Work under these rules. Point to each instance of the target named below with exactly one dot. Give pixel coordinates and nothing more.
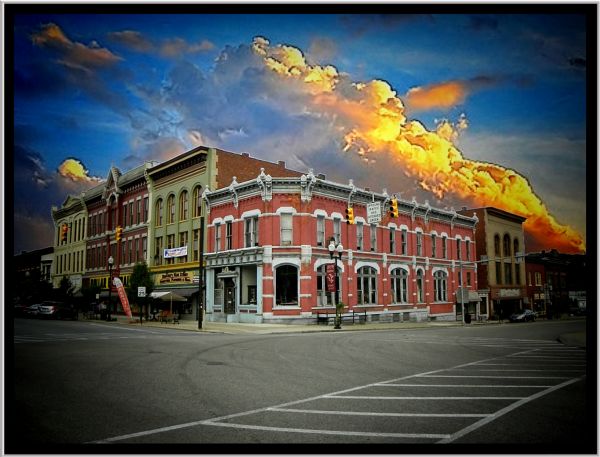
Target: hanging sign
(330, 277)
(373, 212)
(175, 252)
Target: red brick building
(267, 251)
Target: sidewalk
(241, 328)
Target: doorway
(229, 288)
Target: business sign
(330, 277)
(175, 252)
(373, 212)
(178, 276)
(123, 297)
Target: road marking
(517, 369)
(367, 397)
(493, 377)
(362, 413)
(506, 410)
(456, 385)
(330, 432)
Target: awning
(467, 295)
(474, 296)
(184, 291)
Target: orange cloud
(372, 121)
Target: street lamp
(336, 249)
(111, 261)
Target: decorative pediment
(112, 184)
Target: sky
(451, 109)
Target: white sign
(141, 291)
(175, 252)
(373, 212)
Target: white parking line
(458, 385)
(367, 397)
(492, 377)
(358, 413)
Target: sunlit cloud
(74, 170)
(169, 48)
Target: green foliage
(65, 289)
(140, 277)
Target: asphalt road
(92, 386)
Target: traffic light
(65, 230)
(119, 233)
(393, 207)
(349, 215)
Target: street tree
(140, 277)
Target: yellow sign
(174, 277)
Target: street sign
(330, 277)
(141, 291)
(373, 212)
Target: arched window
(399, 285)
(367, 286)
(159, 212)
(286, 285)
(197, 201)
(171, 209)
(439, 286)
(325, 298)
(515, 246)
(183, 206)
(497, 245)
(420, 286)
(506, 246)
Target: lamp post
(336, 249)
(201, 275)
(111, 261)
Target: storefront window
(286, 285)
(367, 286)
(399, 285)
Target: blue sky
(121, 89)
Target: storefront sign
(510, 293)
(175, 252)
(175, 277)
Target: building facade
(69, 241)
(500, 242)
(267, 253)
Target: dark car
(57, 310)
(526, 315)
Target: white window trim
(434, 270)
(286, 210)
(395, 266)
(250, 214)
(320, 262)
(361, 264)
(320, 212)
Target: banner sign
(123, 297)
(175, 252)
(330, 277)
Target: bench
(166, 317)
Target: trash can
(467, 318)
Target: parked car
(57, 310)
(32, 311)
(526, 315)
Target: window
(399, 285)
(497, 245)
(529, 278)
(170, 245)
(468, 279)
(251, 232)
(420, 286)
(123, 252)
(373, 237)
(183, 241)
(196, 235)
(144, 248)
(458, 249)
(498, 273)
(538, 278)
(146, 209)
(217, 237)
(286, 285)
(320, 230)
(130, 243)
(515, 246)
(508, 273)
(171, 209)
(325, 298)
(517, 274)
(367, 286)
(228, 235)
(130, 213)
(159, 212)
(183, 206)
(404, 241)
(433, 245)
(468, 247)
(392, 240)
(506, 246)
(359, 236)
(125, 214)
(197, 201)
(138, 205)
(337, 230)
(419, 244)
(439, 286)
(286, 229)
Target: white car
(32, 311)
